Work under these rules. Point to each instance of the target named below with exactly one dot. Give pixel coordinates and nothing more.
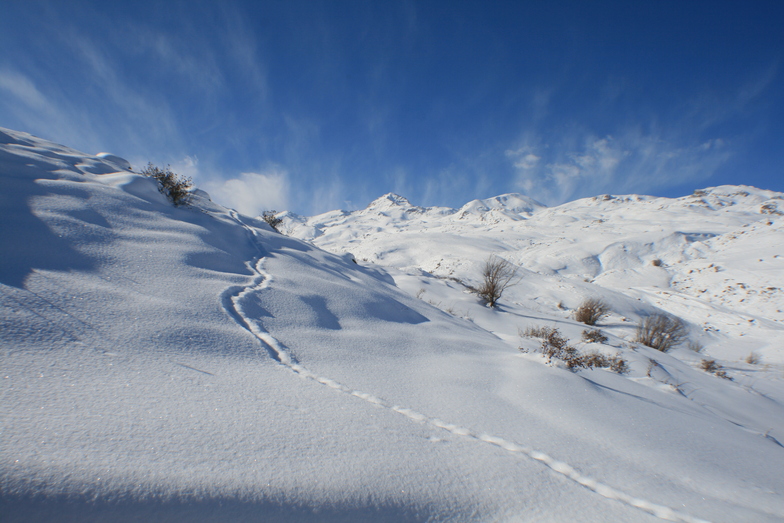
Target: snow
(189, 363)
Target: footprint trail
(234, 301)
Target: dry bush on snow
(696, 346)
(593, 336)
(709, 365)
(497, 275)
(554, 345)
(752, 358)
(272, 220)
(591, 311)
(176, 187)
(536, 332)
(661, 332)
(714, 368)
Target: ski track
(233, 298)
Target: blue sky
(312, 106)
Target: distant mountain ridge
(619, 243)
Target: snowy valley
(189, 363)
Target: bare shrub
(656, 262)
(497, 275)
(661, 332)
(272, 220)
(696, 346)
(618, 365)
(175, 187)
(593, 336)
(709, 365)
(555, 345)
(714, 368)
(591, 311)
(537, 332)
(752, 358)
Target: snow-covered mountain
(190, 363)
(714, 258)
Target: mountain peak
(388, 200)
(511, 203)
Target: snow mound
(121, 163)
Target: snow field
(191, 364)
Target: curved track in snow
(233, 300)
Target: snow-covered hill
(191, 364)
(715, 258)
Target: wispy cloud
(684, 143)
(33, 107)
(252, 193)
(242, 48)
(21, 87)
(632, 161)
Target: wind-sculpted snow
(249, 317)
(165, 363)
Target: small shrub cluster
(175, 187)
(536, 332)
(714, 368)
(593, 336)
(661, 332)
(696, 346)
(752, 358)
(272, 220)
(497, 275)
(591, 311)
(656, 262)
(555, 345)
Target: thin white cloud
(629, 162)
(242, 48)
(252, 193)
(35, 107)
(24, 89)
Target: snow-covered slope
(715, 258)
(191, 364)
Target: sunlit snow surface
(191, 364)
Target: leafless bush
(537, 332)
(175, 187)
(497, 275)
(656, 262)
(554, 345)
(752, 358)
(591, 311)
(618, 365)
(696, 346)
(593, 336)
(661, 332)
(714, 368)
(272, 220)
(709, 365)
